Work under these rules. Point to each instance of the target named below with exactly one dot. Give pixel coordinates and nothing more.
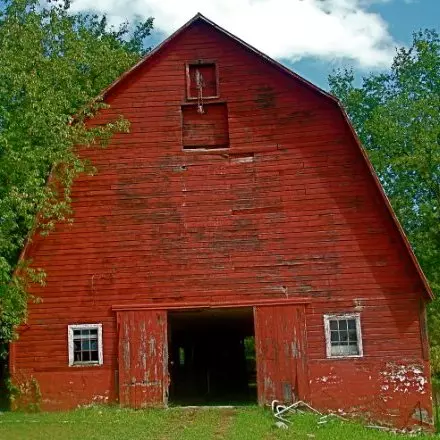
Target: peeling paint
(141, 382)
(100, 399)
(152, 343)
(421, 415)
(328, 379)
(400, 378)
(295, 350)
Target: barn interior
(4, 395)
(212, 357)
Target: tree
(397, 117)
(52, 66)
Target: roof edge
(150, 54)
(200, 17)
(388, 205)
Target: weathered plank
(142, 358)
(281, 348)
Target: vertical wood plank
(143, 359)
(280, 340)
(124, 358)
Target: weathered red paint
(281, 338)
(288, 218)
(208, 129)
(142, 358)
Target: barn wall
(392, 390)
(289, 210)
(391, 382)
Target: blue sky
(403, 19)
(312, 37)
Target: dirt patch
(226, 420)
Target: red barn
(236, 245)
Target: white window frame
(70, 329)
(357, 318)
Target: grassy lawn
(248, 423)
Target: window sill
(222, 149)
(86, 364)
(353, 356)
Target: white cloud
(284, 29)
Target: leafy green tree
(397, 116)
(52, 65)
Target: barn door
(280, 342)
(143, 359)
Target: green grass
(111, 423)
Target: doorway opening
(4, 392)
(212, 357)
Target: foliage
(26, 395)
(397, 116)
(52, 66)
(246, 423)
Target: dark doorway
(4, 393)
(212, 357)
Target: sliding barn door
(280, 342)
(143, 359)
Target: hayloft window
(85, 344)
(206, 127)
(343, 335)
(202, 80)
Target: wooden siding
(281, 348)
(289, 211)
(205, 126)
(143, 370)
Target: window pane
(334, 336)
(352, 335)
(344, 350)
(343, 335)
(343, 324)
(352, 350)
(85, 345)
(333, 325)
(337, 350)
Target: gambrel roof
(199, 18)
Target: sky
(311, 37)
